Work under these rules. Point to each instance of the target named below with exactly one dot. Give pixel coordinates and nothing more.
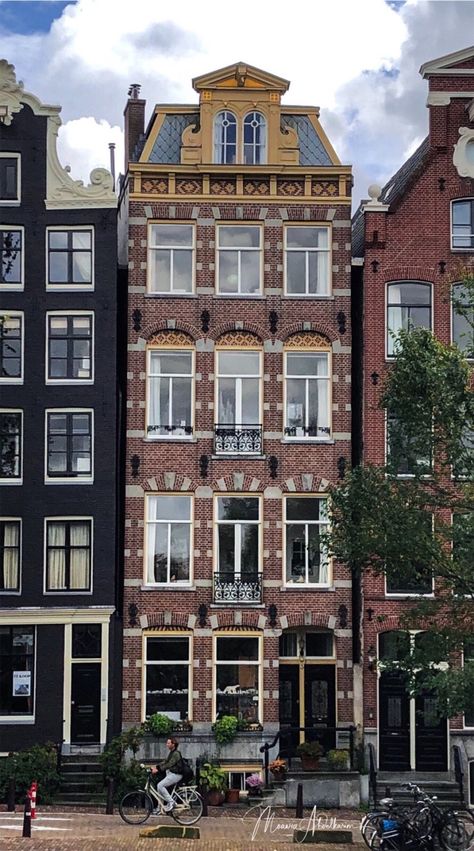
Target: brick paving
(92, 832)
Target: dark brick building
(235, 226)
(58, 476)
(412, 237)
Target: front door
(289, 708)
(320, 705)
(431, 735)
(85, 703)
(394, 705)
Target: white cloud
(84, 145)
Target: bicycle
(136, 807)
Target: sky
(356, 59)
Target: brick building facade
(234, 223)
(412, 237)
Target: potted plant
(278, 768)
(215, 780)
(309, 753)
(159, 724)
(254, 784)
(225, 729)
(338, 760)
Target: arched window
(255, 138)
(408, 307)
(225, 138)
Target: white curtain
(80, 556)
(56, 556)
(10, 556)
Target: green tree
(421, 526)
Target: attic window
(235, 142)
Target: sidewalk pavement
(92, 832)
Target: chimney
(112, 160)
(134, 114)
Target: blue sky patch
(29, 17)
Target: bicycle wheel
(188, 806)
(456, 832)
(370, 829)
(136, 807)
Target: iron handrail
(372, 774)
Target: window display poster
(21, 683)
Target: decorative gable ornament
(11, 92)
(463, 156)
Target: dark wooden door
(289, 708)
(431, 735)
(320, 704)
(85, 703)
(394, 710)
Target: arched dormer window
(255, 138)
(225, 138)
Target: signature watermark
(268, 823)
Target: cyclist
(170, 766)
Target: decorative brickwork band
(238, 339)
(307, 340)
(171, 338)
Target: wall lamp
(371, 658)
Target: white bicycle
(136, 807)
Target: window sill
(21, 719)
(303, 586)
(251, 296)
(242, 603)
(65, 288)
(72, 480)
(70, 381)
(319, 440)
(14, 288)
(11, 481)
(10, 203)
(226, 456)
(16, 381)
(7, 592)
(170, 295)
(175, 586)
(404, 595)
(176, 439)
(322, 296)
(68, 592)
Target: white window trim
(328, 378)
(388, 357)
(70, 381)
(327, 250)
(298, 586)
(263, 148)
(238, 379)
(68, 480)
(238, 531)
(25, 719)
(19, 520)
(14, 202)
(180, 584)
(13, 314)
(238, 293)
(239, 137)
(7, 480)
(21, 286)
(469, 249)
(66, 591)
(237, 634)
(167, 634)
(66, 288)
(451, 327)
(192, 375)
(192, 248)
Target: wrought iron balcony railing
(238, 439)
(229, 588)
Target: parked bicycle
(136, 807)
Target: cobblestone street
(240, 831)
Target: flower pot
(309, 763)
(232, 796)
(215, 798)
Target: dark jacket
(171, 763)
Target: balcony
(237, 439)
(229, 588)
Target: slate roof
(392, 192)
(312, 150)
(167, 147)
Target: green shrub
(36, 763)
(338, 759)
(225, 729)
(312, 750)
(159, 724)
(213, 777)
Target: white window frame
(18, 287)
(167, 634)
(223, 145)
(304, 523)
(67, 592)
(238, 250)
(238, 532)
(388, 356)
(192, 248)
(468, 357)
(468, 249)
(13, 202)
(238, 377)
(18, 520)
(22, 719)
(172, 435)
(87, 479)
(240, 139)
(262, 148)
(259, 663)
(62, 287)
(16, 314)
(426, 475)
(179, 585)
(307, 251)
(10, 480)
(307, 378)
(70, 313)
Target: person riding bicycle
(170, 766)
